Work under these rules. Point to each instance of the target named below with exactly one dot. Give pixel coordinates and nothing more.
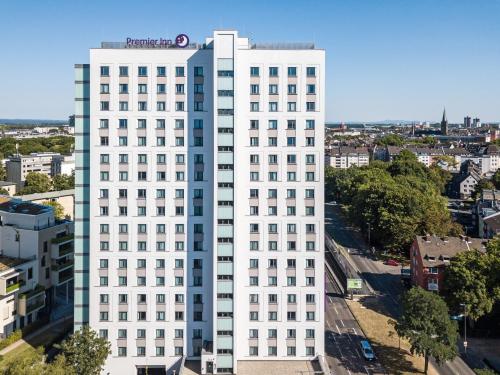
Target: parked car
(367, 350)
(391, 262)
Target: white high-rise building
(199, 202)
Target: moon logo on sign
(181, 40)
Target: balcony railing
(13, 287)
(63, 278)
(62, 239)
(36, 305)
(38, 290)
(61, 266)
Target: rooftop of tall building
(14, 205)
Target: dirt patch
(393, 353)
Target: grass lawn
(46, 339)
(374, 321)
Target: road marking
(335, 309)
(354, 330)
(357, 353)
(331, 299)
(338, 329)
(342, 322)
(366, 370)
(340, 351)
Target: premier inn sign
(181, 41)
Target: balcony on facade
(62, 246)
(10, 283)
(31, 300)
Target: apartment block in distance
(49, 163)
(199, 202)
(344, 157)
(36, 263)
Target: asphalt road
(384, 280)
(343, 336)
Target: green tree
(496, 179)
(4, 191)
(58, 209)
(484, 371)
(397, 200)
(440, 177)
(36, 183)
(429, 140)
(425, 322)
(85, 352)
(472, 279)
(63, 182)
(483, 184)
(32, 362)
(391, 140)
(59, 367)
(62, 144)
(3, 173)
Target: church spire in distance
(444, 123)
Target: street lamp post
(369, 235)
(465, 327)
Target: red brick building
(430, 255)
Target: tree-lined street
(383, 279)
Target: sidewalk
(57, 327)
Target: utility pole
(369, 242)
(465, 327)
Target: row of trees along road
(397, 200)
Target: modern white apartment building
(199, 202)
(36, 262)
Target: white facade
(467, 186)
(206, 239)
(36, 259)
(344, 158)
(18, 166)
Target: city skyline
(387, 60)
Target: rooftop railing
(282, 46)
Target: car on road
(391, 262)
(367, 351)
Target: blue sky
(386, 59)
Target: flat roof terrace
(18, 206)
(8, 262)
